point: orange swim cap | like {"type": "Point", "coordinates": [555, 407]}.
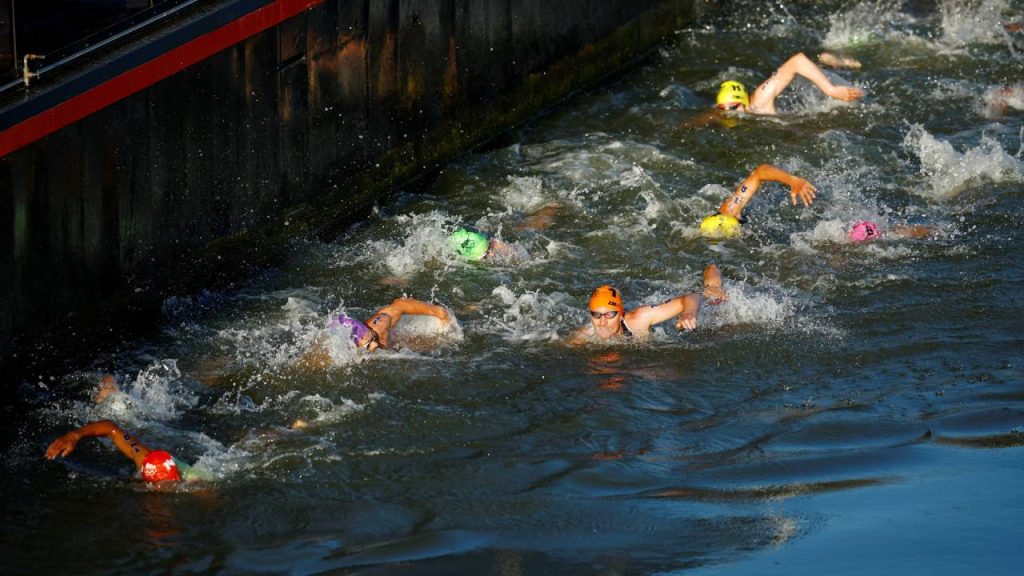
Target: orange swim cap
{"type": "Point", "coordinates": [606, 296]}
{"type": "Point", "coordinates": [159, 466]}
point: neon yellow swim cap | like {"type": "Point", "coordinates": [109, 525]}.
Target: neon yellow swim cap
{"type": "Point", "coordinates": [719, 226]}
{"type": "Point", "coordinates": [469, 244]}
{"type": "Point", "coordinates": [732, 92]}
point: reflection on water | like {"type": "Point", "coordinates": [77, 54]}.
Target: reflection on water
{"type": "Point", "coordinates": [847, 394]}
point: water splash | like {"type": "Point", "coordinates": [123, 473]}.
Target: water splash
{"type": "Point", "coordinates": [949, 172]}
{"type": "Point", "coordinates": [965, 23]}
{"type": "Point", "coordinates": [865, 23]}
{"type": "Point", "coordinates": [528, 316]}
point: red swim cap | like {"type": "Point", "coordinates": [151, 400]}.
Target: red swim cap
{"type": "Point", "coordinates": [159, 466]}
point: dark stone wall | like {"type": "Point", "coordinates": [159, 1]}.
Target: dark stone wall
{"type": "Point", "coordinates": [206, 175]}
{"type": "Point", "coordinates": [6, 42]}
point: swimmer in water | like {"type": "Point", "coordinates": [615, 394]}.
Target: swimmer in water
{"type": "Point", "coordinates": [733, 96]}
{"type": "Point", "coordinates": [476, 246]}
{"type": "Point", "coordinates": [153, 465]}
{"type": "Point", "coordinates": [866, 230]}
{"type": "Point", "coordinates": [610, 320]}
{"type": "Point", "coordinates": [726, 223]}
{"type": "Point", "coordinates": [375, 332]}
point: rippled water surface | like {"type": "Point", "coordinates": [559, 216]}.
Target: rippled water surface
{"type": "Point", "coordinates": [853, 408]}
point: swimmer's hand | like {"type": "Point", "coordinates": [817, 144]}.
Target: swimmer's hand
{"type": "Point", "coordinates": [63, 446]}
{"type": "Point", "coordinates": [686, 321]}
{"type": "Point", "coordinates": [803, 190]}
{"type": "Point", "coordinates": [845, 93]}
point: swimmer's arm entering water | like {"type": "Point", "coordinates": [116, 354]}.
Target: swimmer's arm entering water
{"type": "Point", "coordinates": [127, 444]}
{"type": "Point", "coordinates": [798, 189]}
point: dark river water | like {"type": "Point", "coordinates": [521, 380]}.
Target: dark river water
{"type": "Point", "coordinates": [853, 408]}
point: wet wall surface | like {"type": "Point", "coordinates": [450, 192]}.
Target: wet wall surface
{"type": "Point", "coordinates": [203, 177]}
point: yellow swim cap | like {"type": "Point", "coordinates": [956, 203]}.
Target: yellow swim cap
{"type": "Point", "coordinates": [719, 226]}
{"type": "Point", "coordinates": [732, 92]}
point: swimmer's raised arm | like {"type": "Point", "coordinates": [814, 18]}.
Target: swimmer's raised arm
{"type": "Point", "coordinates": [798, 189]}
{"type": "Point", "coordinates": [762, 101]}
{"type": "Point", "coordinates": [126, 443]}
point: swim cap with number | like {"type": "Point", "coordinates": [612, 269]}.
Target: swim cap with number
{"type": "Point", "coordinates": [863, 230]}
{"type": "Point", "coordinates": [159, 466]}
{"type": "Point", "coordinates": [732, 92]}
{"type": "Point", "coordinates": [606, 296]}
{"type": "Point", "coordinates": [719, 226]}
{"type": "Point", "coordinates": [469, 244]}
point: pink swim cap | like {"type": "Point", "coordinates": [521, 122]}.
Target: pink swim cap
{"type": "Point", "coordinates": [159, 466]}
{"type": "Point", "coordinates": [863, 230]}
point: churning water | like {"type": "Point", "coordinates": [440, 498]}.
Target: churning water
{"type": "Point", "coordinates": [852, 409]}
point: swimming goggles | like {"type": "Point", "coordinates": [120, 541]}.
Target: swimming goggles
{"type": "Point", "coordinates": [609, 315]}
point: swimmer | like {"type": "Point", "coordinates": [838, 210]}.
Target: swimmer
{"type": "Point", "coordinates": [375, 332]}
{"type": "Point", "coordinates": [1002, 98]}
{"type": "Point", "coordinates": [475, 246]}
{"type": "Point", "coordinates": [866, 230]}
{"type": "Point", "coordinates": [726, 223]}
{"type": "Point", "coordinates": [153, 465]}
{"type": "Point", "coordinates": [610, 320]}
{"type": "Point", "coordinates": [733, 96]}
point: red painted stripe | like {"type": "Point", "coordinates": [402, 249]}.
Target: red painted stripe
{"type": "Point", "coordinates": [149, 73]}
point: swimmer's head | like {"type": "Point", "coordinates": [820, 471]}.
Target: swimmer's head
{"type": "Point", "coordinates": [469, 244]}
{"type": "Point", "coordinates": [862, 231]}
{"type": "Point", "coordinates": [606, 297]}
{"type": "Point", "coordinates": [159, 466]}
{"type": "Point", "coordinates": [358, 329]}
{"type": "Point", "coordinates": [718, 226]}
{"type": "Point", "coordinates": [606, 311]}
{"type": "Point", "coordinates": [731, 95]}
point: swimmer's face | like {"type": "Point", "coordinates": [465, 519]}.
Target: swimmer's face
{"type": "Point", "coordinates": [733, 106]}
{"type": "Point", "coordinates": [369, 342]}
{"type": "Point", "coordinates": [607, 321]}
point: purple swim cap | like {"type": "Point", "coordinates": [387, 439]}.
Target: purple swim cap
{"type": "Point", "coordinates": [863, 230]}
{"type": "Point", "coordinates": [359, 330]}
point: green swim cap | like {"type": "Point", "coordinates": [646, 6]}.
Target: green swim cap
{"type": "Point", "coordinates": [469, 244]}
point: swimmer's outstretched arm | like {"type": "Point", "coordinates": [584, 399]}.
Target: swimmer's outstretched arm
{"type": "Point", "coordinates": [129, 445]}
{"type": "Point", "coordinates": [798, 189]}
{"type": "Point", "coordinates": [687, 306]}
{"type": "Point", "coordinates": [763, 99]}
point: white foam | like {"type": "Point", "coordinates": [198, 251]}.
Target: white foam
{"type": "Point", "coordinates": [965, 23]}
{"type": "Point", "coordinates": [947, 172]}
{"type": "Point", "coordinates": [524, 193]}
{"type": "Point", "coordinates": [531, 315]}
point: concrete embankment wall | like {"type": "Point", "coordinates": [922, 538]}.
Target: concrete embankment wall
{"type": "Point", "coordinates": [204, 175]}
